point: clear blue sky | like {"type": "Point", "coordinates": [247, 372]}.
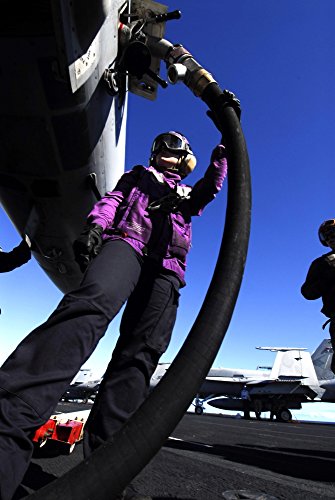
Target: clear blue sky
{"type": "Point", "coordinates": [278, 57]}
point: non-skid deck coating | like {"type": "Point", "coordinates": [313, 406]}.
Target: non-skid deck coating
{"type": "Point", "coordinates": [209, 455]}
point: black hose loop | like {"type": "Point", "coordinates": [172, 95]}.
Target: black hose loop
{"type": "Point", "coordinates": [115, 464]}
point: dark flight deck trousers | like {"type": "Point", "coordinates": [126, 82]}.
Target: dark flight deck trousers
{"type": "Point", "coordinates": [332, 339]}
{"type": "Point", "coordinates": [37, 373]}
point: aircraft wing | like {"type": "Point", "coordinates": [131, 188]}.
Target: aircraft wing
{"type": "Point", "coordinates": [281, 349]}
{"type": "Point", "coordinates": [226, 386]}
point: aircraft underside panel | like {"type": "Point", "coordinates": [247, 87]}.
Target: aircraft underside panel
{"type": "Point", "coordinates": [88, 36]}
{"type": "Point", "coordinates": [62, 134]}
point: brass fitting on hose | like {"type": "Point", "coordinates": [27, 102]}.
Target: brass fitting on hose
{"type": "Point", "coordinates": [199, 80]}
{"type": "Point", "coordinates": [191, 73]}
{"type": "Point", "coordinates": [182, 66]}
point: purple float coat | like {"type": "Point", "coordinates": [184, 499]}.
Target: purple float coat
{"type": "Point", "coordinates": [123, 214]}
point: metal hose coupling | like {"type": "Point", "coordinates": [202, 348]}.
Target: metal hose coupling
{"type": "Point", "coordinates": [181, 66]}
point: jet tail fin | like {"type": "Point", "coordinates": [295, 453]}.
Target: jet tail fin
{"type": "Point", "coordinates": [294, 364]}
{"type": "Point", "coordinates": [322, 358]}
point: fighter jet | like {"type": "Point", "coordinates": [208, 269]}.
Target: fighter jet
{"type": "Point", "coordinates": [83, 392]}
{"type": "Point", "coordinates": [322, 358]}
{"type": "Point", "coordinates": [296, 377]}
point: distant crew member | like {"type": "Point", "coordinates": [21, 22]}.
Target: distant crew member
{"type": "Point", "coordinates": [17, 257]}
{"type": "Point", "coordinates": [257, 404]}
{"type": "Point", "coordinates": [245, 396]}
{"type": "Point", "coordinates": [133, 249]}
{"type": "Point", "coordinates": [320, 280]}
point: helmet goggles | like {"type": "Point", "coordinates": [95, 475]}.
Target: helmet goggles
{"type": "Point", "coordinates": [327, 231]}
{"type": "Point", "coordinates": [171, 142]}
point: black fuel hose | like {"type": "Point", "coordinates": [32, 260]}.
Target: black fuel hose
{"type": "Point", "coordinates": [115, 464]}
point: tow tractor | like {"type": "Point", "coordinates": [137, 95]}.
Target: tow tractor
{"type": "Point", "coordinates": [64, 428]}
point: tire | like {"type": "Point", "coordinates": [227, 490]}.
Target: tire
{"type": "Point", "coordinates": [198, 410]}
{"type": "Point", "coordinates": [284, 415]}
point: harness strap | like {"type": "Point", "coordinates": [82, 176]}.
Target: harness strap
{"type": "Point", "coordinates": [332, 318]}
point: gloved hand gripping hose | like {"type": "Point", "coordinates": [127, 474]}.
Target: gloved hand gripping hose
{"type": "Point", "coordinates": [88, 245]}
{"type": "Point", "coordinates": [114, 465]}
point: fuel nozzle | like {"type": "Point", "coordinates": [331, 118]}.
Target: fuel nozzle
{"type": "Point", "coordinates": [181, 66]}
{"type": "Point", "coordinates": [176, 73]}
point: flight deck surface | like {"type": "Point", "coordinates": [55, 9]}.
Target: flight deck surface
{"type": "Point", "coordinates": [209, 455]}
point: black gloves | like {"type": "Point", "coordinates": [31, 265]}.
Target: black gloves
{"type": "Point", "coordinates": [227, 98]}
{"type": "Point", "coordinates": [24, 249]}
{"type": "Point", "coordinates": [88, 245]}
{"type": "Point", "coordinates": [230, 99]}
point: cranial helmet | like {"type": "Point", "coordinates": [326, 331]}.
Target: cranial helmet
{"type": "Point", "coordinates": [178, 144]}
{"type": "Point", "coordinates": [327, 227]}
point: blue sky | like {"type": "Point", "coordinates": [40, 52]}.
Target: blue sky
{"type": "Point", "coordinates": [278, 57]}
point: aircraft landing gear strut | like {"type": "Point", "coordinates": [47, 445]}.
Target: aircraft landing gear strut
{"type": "Point", "coordinates": [198, 406]}
{"type": "Point", "coordinates": [198, 410]}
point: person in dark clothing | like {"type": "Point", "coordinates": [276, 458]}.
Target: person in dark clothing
{"type": "Point", "coordinates": [17, 257]}
{"type": "Point", "coordinates": [245, 396]}
{"type": "Point", "coordinates": [132, 250]}
{"type": "Point", "coordinates": [320, 280]}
